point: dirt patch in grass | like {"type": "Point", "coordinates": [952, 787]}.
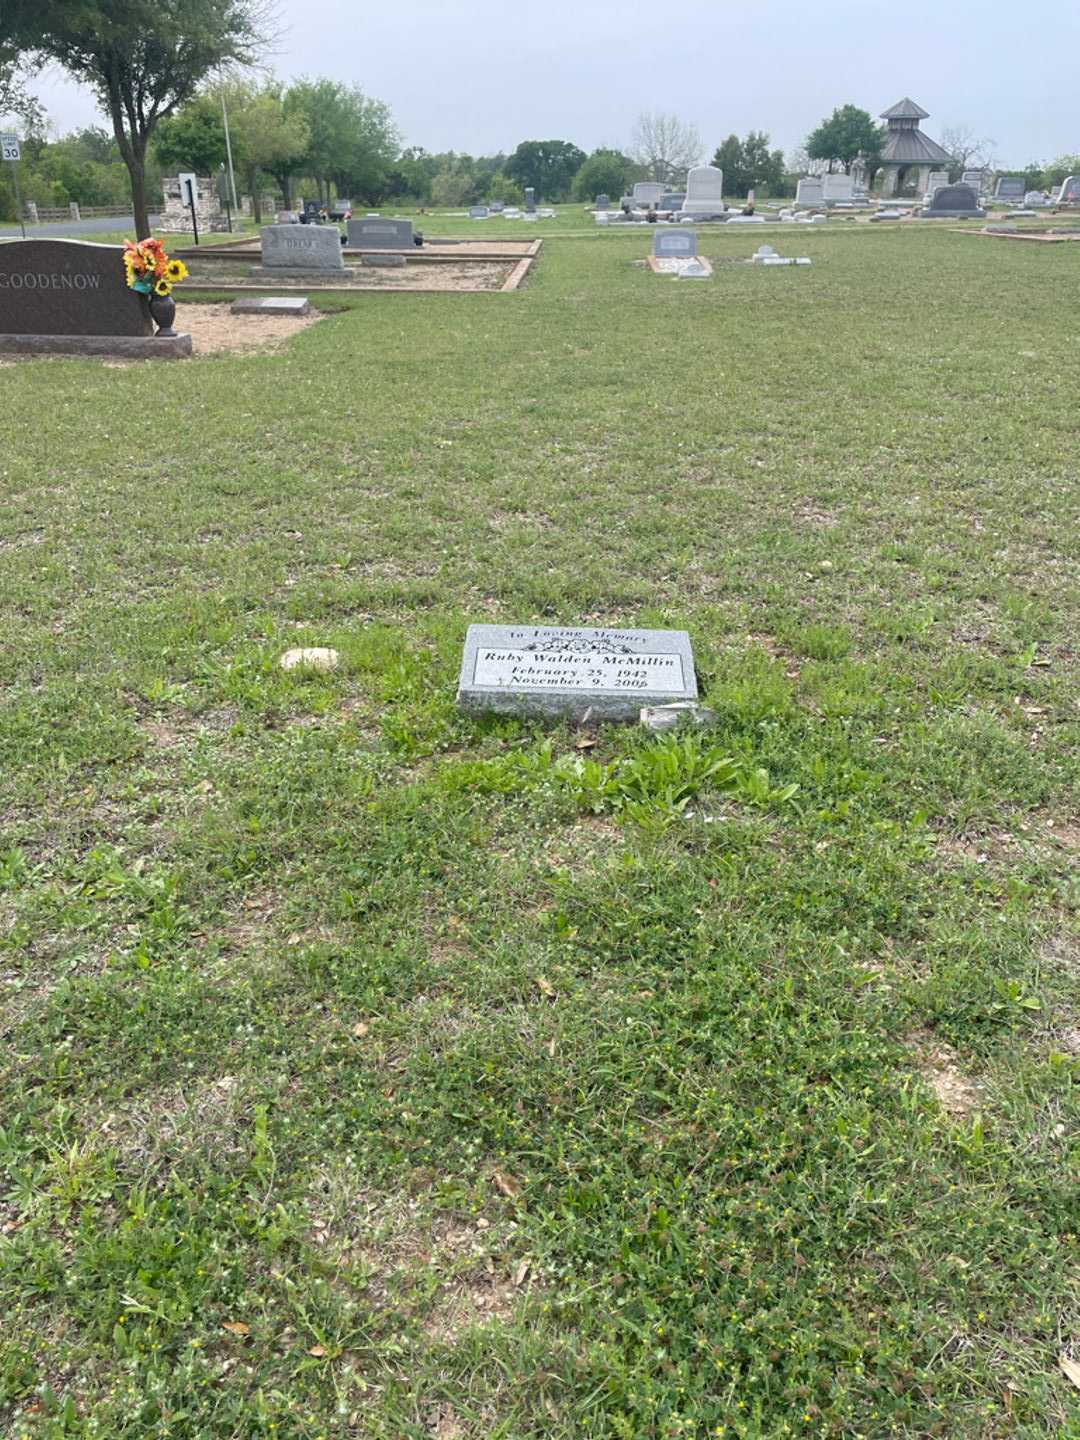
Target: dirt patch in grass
{"type": "Point", "coordinates": [938, 1064]}
{"type": "Point", "coordinates": [214, 328]}
{"type": "Point", "coordinates": [811, 513]}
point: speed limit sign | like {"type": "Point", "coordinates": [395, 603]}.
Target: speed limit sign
{"type": "Point", "coordinates": [9, 147]}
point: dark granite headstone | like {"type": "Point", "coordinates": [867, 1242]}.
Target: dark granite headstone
{"type": "Point", "coordinates": [954, 201]}
{"type": "Point", "coordinates": [68, 287]}
{"type": "Point", "coordinates": [374, 233]}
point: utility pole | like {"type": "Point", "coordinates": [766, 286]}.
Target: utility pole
{"type": "Point", "coordinates": [228, 152]}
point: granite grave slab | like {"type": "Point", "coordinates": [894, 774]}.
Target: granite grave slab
{"type": "Point", "coordinates": [674, 242]}
{"type": "Point", "coordinates": [68, 287]}
{"type": "Point", "coordinates": [956, 202]}
{"type": "Point", "coordinates": [565, 673]}
{"type": "Point", "coordinates": [299, 250]}
{"type": "Point", "coordinates": [373, 233]}
{"type": "Point", "coordinates": [273, 305]}
{"type": "Point", "coordinates": [646, 194]}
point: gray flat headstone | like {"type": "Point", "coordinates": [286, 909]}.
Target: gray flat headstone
{"type": "Point", "coordinates": [674, 242]}
{"type": "Point", "coordinates": [384, 262]}
{"type": "Point", "coordinates": [478, 212]}
{"type": "Point", "coordinates": [68, 287]}
{"type": "Point", "coordinates": [271, 305]}
{"type": "Point", "coordinates": [562, 673]}
{"type": "Point", "coordinates": [373, 233]}
{"type": "Point", "coordinates": [302, 248]}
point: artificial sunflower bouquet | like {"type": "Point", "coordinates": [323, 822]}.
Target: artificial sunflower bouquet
{"type": "Point", "coordinates": [149, 270]}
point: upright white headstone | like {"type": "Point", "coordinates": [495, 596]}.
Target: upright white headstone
{"type": "Point", "coordinates": [704, 192]}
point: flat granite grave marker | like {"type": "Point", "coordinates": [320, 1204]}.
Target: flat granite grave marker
{"type": "Point", "coordinates": [565, 673]}
{"type": "Point", "coordinates": [373, 233]}
{"type": "Point", "coordinates": [71, 297]}
{"type": "Point", "coordinates": [289, 305]}
{"type": "Point", "coordinates": [384, 262]}
{"type": "Point", "coordinates": [299, 250]}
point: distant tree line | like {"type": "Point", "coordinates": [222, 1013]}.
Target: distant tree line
{"type": "Point", "coordinates": [321, 138]}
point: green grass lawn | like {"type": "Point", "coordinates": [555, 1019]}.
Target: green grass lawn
{"type": "Point", "coordinates": [371, 1070]}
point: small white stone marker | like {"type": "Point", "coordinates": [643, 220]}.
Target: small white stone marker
{"type": "Point", "coordinates": [314, 657]}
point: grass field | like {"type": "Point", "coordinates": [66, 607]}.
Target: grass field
{"type": "Point", "coordinates": [370, 1070]}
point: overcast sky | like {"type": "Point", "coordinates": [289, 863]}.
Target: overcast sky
{"type": "Point", "coordinates": [479, 76]}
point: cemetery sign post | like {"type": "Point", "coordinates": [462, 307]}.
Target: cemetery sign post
{"type": "Point", "coordinates": [189, 191]}
{"type": "Point", "coordinates": [11, 151]}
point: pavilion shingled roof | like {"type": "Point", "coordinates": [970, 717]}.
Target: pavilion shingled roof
{"type": "Point", "coordinates": [912, 147]}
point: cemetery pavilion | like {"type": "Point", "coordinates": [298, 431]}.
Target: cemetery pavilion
{"type": "Point", "coordinates": [908, 155]}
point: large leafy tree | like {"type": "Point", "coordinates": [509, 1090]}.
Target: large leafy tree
{"type": "Point", "coordinates": [749, 163]}
{"type": "Point", "coordinates": [192, 139]}
{"type": "Point", "coordinates": [142, 58]}
{"type": "Point", "coordinates": [352, 140]}
{"type": "Point", "coordinates": [605, 172]}
{"type": "Point", "coordinates": [264, 136]}
{"type": "Point", "coordinates": [15, 100]}
{"type": "Point", "coordinates": [847, 132]}
{"type": "Point", "coordinates": [548, 166]}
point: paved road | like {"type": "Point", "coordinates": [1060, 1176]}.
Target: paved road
{"type": "Point", "coordinates": [74, 227]}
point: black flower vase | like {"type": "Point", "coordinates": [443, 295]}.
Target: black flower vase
{"type": "Point", "coordinates": [163, 313]}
